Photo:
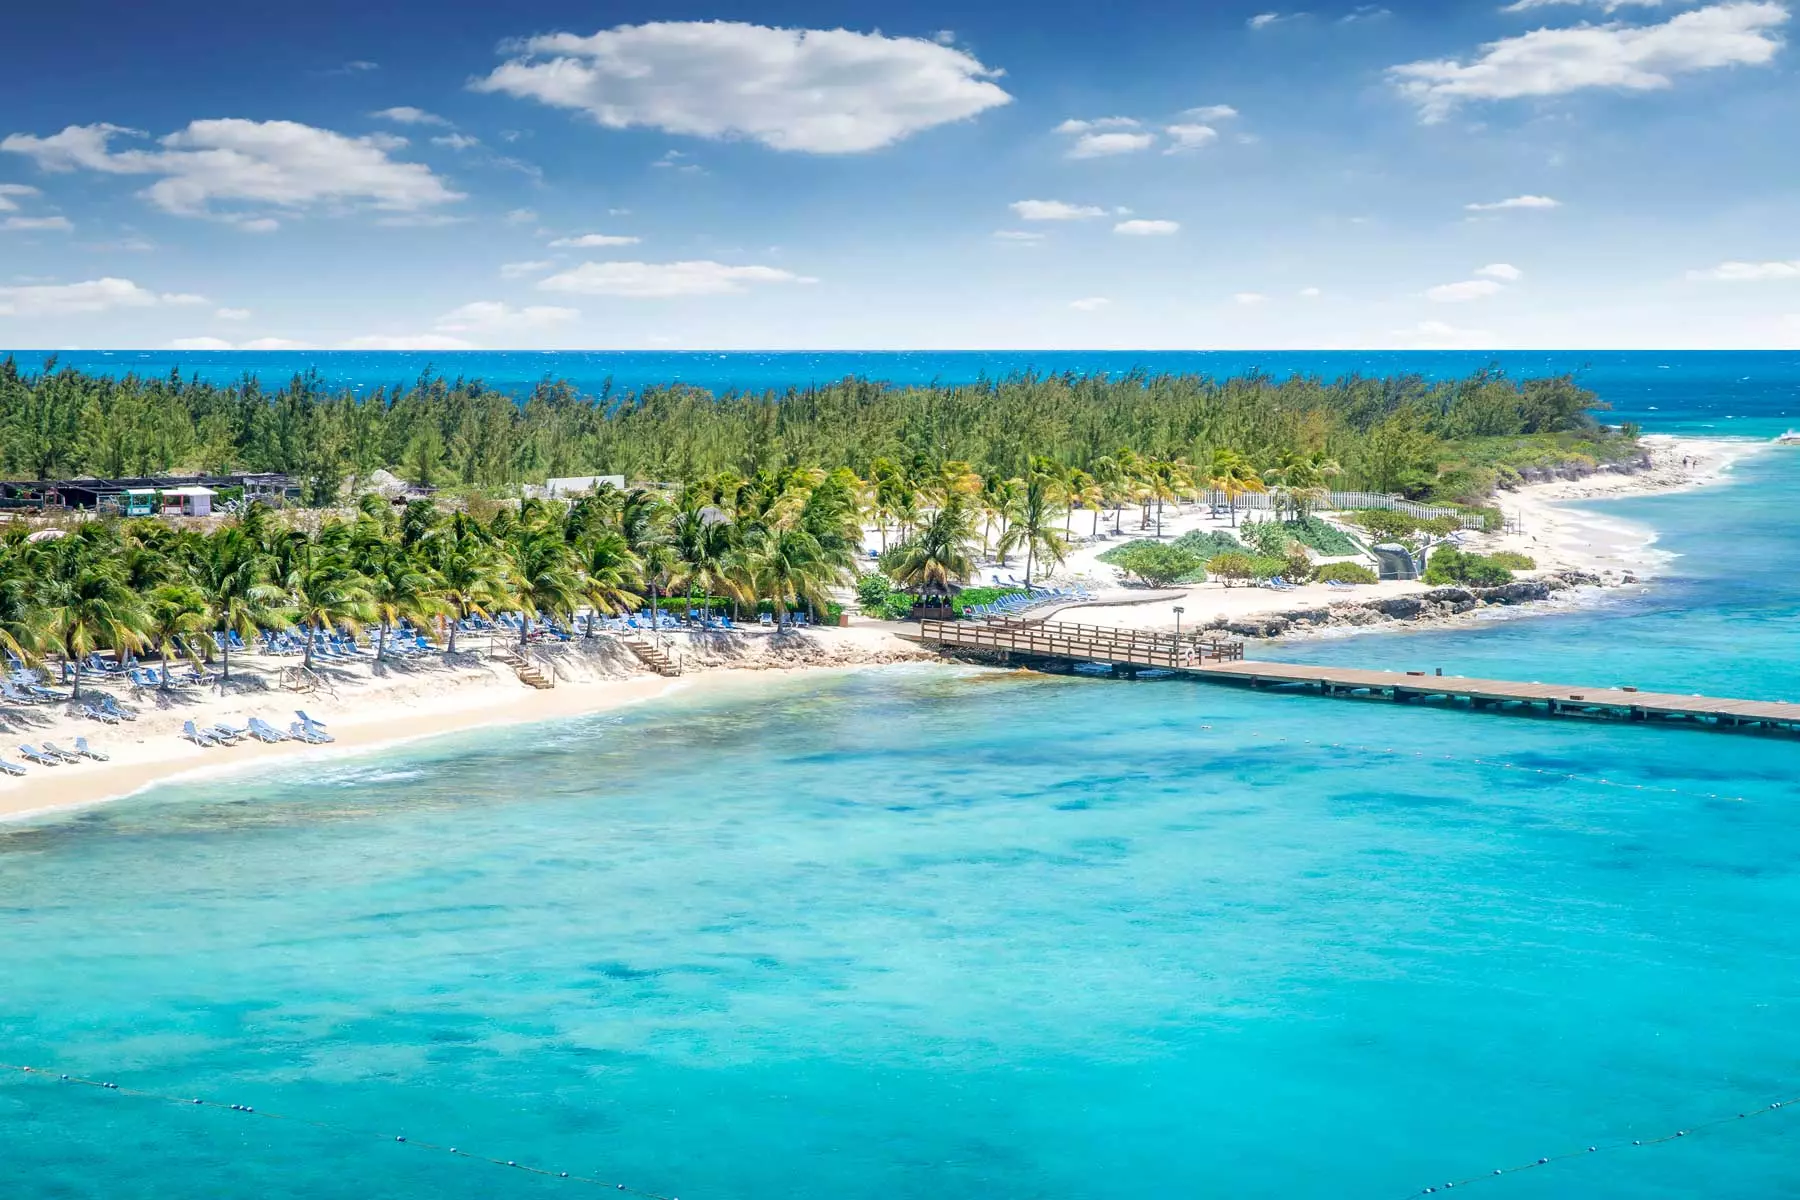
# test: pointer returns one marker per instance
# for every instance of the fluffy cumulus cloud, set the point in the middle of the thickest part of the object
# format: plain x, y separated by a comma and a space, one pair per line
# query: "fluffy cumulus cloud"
588, 241
1267, 19
1749, 272
493, 316
1554, 62
1436, 335
1463, 291
818, 91
661, 280
10, 193
1504, 272
1105, 145
1515, 202
1519, 6
243, 164
406, 114
1090, 303
1143, 228
1054, 210
1190, 137
37, 224
66, 299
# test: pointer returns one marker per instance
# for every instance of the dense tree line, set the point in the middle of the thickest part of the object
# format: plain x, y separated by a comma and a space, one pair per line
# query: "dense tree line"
1403, 433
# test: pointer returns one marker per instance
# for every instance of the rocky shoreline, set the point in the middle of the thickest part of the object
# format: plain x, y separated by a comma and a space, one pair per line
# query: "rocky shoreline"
1418, 608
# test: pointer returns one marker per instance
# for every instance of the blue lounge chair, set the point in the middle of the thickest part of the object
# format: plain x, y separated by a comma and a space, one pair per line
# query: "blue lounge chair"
109, 705
197, 736
312, 735
97, 714
33, 754
12, 768
55, 751
86, 751
265, 732
310, 722
11, 691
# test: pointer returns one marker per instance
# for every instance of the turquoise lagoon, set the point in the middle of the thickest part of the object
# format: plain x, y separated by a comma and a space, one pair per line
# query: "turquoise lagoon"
935, 932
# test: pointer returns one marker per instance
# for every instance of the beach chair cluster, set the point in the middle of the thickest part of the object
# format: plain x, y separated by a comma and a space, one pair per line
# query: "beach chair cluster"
1012, 606
337, 645
1279, 584
306, 729
642, 622
49, 754
151, 678
24, 685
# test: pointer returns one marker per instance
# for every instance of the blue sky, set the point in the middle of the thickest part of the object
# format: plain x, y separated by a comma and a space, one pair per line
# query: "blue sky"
1540, 173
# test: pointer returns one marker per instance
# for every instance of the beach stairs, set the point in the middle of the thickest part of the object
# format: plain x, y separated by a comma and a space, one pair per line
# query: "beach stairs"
654, 658
530, 674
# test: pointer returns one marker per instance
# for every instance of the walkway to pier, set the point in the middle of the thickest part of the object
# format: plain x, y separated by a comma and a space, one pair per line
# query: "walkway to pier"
1223, 661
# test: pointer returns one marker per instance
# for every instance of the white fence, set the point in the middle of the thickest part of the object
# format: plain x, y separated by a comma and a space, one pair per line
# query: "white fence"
1342, 501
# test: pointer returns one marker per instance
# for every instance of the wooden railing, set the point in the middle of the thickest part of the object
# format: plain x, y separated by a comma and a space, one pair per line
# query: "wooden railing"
1086, 643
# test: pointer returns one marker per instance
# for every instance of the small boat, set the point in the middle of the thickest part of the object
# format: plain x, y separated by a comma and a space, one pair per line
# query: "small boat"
1790, 438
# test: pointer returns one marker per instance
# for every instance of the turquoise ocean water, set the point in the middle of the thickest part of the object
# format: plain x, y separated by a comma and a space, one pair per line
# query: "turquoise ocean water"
931, 932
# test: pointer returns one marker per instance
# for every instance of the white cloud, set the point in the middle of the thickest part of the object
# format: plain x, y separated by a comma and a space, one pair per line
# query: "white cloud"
1019, 235
1211, 112
1249, 299
1105, 145
1142, 228
1073, 126
521, 216
456, 141
1505, 272
279, 163
274, 343
1054, 210
183, 299
63, 299
1436, 335
233, 314
820, 91
1463, 292
655, 280
517, 270
1610, 6
589, 240
1554, 62
1264, 20
1190, 137
416, 341
200, 343
493, 316
1090, 303
1364, 12
1512, 202
406, 114
1749, 272
9, 190
1310, 293
36, 224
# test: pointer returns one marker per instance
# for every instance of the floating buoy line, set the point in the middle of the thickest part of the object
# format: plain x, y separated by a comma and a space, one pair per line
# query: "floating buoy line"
39, 1073
1605, 1147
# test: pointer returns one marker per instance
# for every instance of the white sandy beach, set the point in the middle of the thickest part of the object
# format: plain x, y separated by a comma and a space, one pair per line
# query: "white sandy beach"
425, 697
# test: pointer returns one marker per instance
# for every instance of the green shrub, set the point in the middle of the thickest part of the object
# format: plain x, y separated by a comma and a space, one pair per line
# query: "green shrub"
1321, 535
1345, 572
1512, 560
981, 595
1448, 565
1233, 567
881, 599
1204, 543
1270, 539
1386, 524
1159, 565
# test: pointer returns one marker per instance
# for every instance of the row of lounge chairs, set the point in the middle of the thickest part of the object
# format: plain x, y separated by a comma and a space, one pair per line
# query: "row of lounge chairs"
52, 755
306, 729
1008, 606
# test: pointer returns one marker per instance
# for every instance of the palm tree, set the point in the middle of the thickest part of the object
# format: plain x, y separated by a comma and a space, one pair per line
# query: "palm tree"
400, 591
1231, 473
327, 593
230, 572
787, 567
939, 556
705, 538
86, 607
609, 575
1038, 510
174, 612
543, 578
471, 581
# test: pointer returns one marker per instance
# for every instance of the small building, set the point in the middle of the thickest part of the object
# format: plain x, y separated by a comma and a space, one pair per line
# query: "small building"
189, 501
570, 486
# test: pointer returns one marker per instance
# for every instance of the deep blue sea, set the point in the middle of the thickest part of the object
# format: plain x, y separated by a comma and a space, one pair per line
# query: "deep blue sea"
1672, 390
937, 932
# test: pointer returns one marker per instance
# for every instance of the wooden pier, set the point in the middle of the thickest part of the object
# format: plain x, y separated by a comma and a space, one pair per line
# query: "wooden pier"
1127, 651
